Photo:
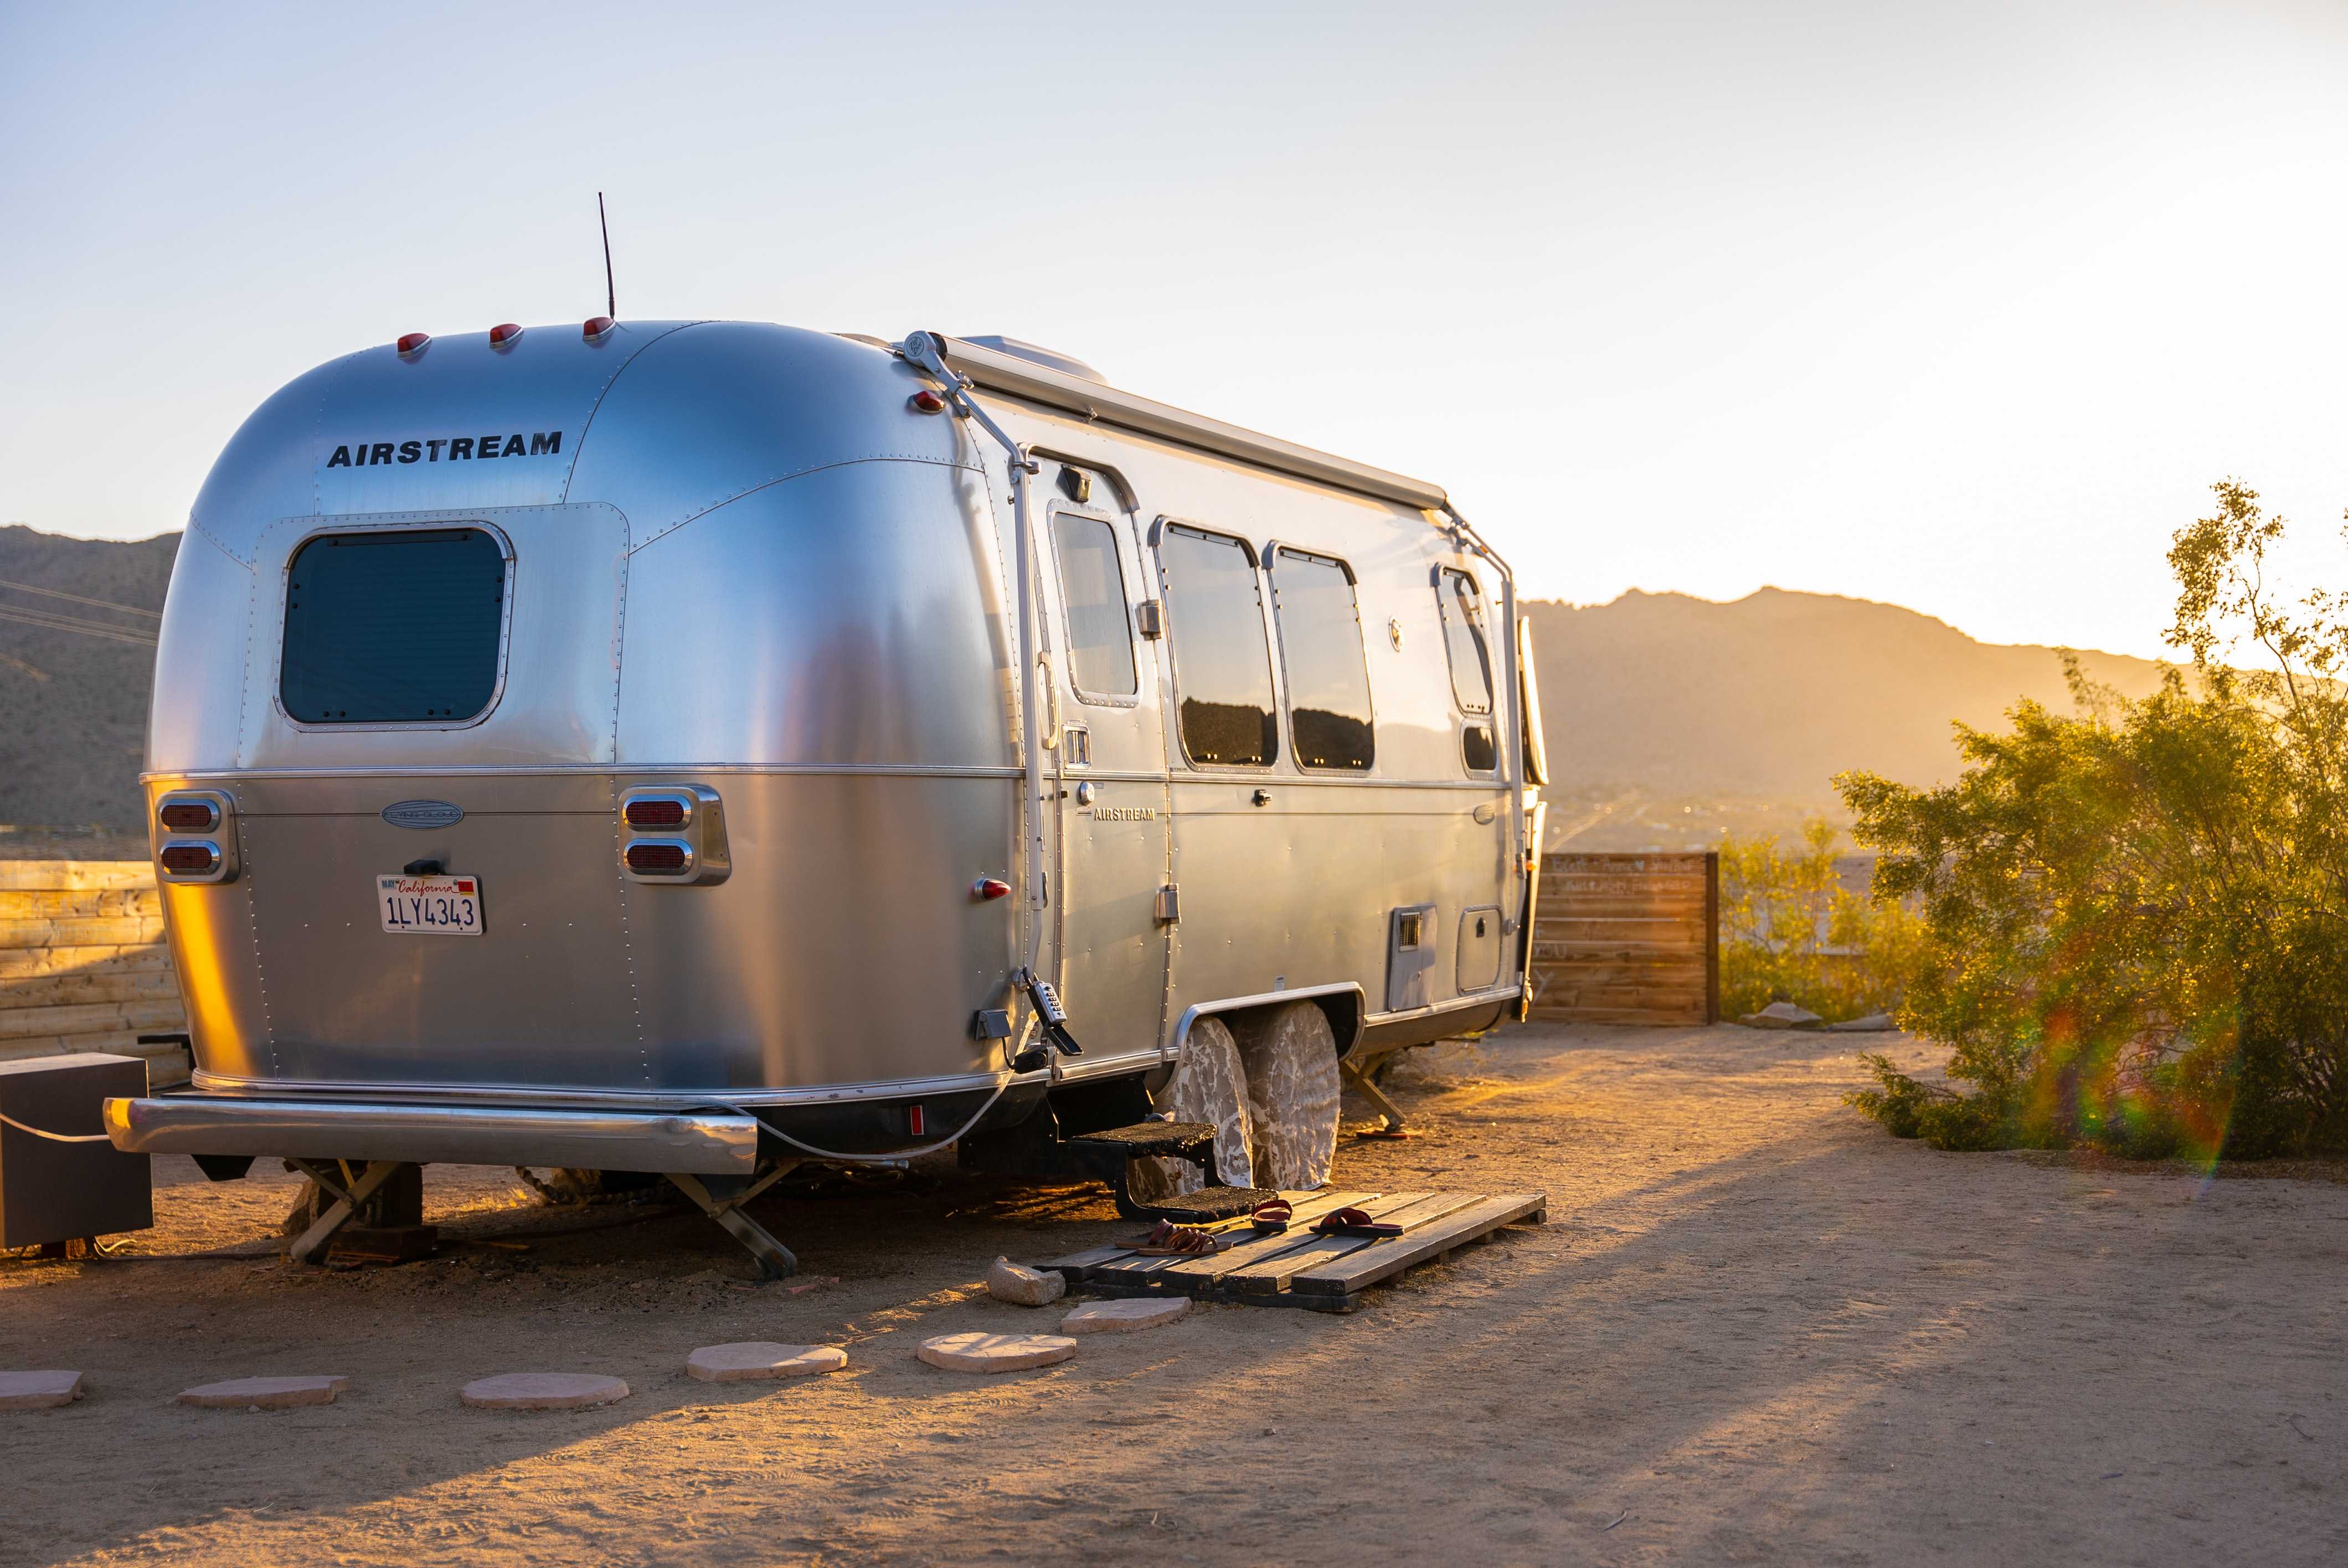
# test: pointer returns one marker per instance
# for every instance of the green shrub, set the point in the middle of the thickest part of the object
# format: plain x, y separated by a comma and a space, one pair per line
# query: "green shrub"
1790, 932
2134, 926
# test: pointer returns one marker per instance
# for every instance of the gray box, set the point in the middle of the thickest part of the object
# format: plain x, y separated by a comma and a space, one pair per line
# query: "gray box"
57, 1191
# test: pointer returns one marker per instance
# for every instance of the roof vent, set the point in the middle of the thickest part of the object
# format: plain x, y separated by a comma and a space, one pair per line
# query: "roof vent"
1051, 358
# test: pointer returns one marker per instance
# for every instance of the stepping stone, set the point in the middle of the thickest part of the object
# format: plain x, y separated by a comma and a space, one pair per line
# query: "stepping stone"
1024, 1286
978, 1352
266, 1393
1128, 1317
763, 1359
542, 1391
38, 1391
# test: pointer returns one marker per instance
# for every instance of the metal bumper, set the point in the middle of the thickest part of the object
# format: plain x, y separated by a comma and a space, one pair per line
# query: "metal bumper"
436, 1134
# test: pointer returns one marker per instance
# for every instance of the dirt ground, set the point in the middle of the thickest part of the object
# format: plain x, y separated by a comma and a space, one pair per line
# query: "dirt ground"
1755, 1329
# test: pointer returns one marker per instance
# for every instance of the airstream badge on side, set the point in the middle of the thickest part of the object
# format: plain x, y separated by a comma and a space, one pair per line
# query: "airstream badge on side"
836, 768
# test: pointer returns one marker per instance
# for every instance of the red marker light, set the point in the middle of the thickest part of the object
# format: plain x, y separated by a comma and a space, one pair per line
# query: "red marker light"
504, 335
926, 402
189, 859
656, 858
914, 1122
595, 327
412, 343
988, 888
655, 812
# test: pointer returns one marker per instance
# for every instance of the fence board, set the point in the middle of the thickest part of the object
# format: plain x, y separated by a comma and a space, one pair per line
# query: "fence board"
1627, 939
75, 875
83, 967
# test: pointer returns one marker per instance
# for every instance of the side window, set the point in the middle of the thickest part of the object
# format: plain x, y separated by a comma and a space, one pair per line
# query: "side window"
1320, 651
1471, 666
1101, 638
1222, 669
394, 626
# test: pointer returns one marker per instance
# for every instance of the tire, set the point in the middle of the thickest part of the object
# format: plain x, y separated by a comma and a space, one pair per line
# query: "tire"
1209, 1085
1290, 1056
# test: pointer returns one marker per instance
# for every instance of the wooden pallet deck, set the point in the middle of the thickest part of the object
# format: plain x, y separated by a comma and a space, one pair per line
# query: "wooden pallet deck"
1298, 1268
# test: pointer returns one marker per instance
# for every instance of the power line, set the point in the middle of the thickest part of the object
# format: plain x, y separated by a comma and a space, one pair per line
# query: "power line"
87, 627
79, 598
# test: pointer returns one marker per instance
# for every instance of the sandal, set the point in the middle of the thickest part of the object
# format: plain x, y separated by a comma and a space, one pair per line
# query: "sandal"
1272, 1217
1171, 1240
1353, 1222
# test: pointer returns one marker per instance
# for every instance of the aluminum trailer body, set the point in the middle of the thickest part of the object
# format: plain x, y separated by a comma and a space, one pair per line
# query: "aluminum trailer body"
637, 725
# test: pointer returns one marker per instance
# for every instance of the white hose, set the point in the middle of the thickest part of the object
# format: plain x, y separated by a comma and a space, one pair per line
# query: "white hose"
58, 1137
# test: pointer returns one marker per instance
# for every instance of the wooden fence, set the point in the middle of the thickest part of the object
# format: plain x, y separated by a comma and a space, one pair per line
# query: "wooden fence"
1628, 939
83, 966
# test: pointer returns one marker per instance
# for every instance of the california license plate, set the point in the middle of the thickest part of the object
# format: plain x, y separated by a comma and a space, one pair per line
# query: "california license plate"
429, 906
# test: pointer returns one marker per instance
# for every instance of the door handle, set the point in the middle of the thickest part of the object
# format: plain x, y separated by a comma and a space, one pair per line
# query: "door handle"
1261, 797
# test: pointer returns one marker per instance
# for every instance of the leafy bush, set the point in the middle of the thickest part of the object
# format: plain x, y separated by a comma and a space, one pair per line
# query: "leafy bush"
1790, 931
2136, 917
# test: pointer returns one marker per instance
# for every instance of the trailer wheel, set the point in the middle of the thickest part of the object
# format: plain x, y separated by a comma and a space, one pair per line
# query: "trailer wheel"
1290, 1055
1209, 1085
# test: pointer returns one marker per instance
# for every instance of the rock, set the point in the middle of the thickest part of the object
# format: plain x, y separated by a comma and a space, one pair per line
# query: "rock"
266, 1393
1873, 1023
762, 1359
38, 1391
1123, 1316
978, 1352
542, 1391
1783, 1015
1024, 1286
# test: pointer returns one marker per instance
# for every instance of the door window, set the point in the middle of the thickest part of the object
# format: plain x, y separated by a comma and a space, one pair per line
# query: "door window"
1222, 666
1463, 635
1092, 591
1321, 653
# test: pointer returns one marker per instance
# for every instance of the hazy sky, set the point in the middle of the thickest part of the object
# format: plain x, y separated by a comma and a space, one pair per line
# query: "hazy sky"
1960, 306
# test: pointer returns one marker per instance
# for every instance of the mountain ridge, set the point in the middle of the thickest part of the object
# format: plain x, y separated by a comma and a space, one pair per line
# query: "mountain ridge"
1736, 712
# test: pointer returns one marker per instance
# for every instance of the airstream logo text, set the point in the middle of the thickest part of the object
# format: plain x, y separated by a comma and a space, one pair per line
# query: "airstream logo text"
1123, 813
423, 814
457, 449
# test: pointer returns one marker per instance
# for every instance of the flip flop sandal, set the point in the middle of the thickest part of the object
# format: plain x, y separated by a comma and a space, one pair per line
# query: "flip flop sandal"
1180, 1241
1353, 1222
1271, 1218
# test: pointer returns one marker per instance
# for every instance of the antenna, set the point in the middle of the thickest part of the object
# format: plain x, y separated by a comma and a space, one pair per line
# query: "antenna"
611, 295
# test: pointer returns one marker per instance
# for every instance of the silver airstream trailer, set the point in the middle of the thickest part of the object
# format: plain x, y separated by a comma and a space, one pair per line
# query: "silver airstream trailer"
630, 748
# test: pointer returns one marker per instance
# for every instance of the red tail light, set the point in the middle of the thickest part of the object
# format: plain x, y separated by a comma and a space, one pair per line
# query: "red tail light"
656, 858
189, 859
655, 812
990, 887
189, 816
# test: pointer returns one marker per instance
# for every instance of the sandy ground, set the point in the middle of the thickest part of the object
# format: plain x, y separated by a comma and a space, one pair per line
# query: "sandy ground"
1756, 1329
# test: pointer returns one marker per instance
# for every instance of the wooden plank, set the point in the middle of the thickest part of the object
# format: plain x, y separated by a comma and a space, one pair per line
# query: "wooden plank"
1186, 1273
1268, 1276
1383, 1260
1078, 1264
20, 963
1649, 1018
1635, 863
118, 931
98, 1018
155, 983
1136, 1272
78, 904
75, 875
125, 1043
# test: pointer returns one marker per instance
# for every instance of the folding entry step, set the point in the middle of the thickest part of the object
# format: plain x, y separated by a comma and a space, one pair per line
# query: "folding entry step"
1105, 1156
